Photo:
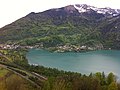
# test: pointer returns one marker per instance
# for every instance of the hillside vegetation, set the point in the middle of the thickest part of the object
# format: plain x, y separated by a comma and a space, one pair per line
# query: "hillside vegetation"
11, 81
57, 27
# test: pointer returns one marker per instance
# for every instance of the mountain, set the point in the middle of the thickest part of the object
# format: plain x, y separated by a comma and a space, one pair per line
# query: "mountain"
106, 11
72, 25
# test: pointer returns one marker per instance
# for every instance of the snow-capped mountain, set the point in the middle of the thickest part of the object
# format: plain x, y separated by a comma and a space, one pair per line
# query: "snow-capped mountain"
72, 24
86, 8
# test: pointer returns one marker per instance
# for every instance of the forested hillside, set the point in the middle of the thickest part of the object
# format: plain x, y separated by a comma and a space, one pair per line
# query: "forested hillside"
66, 25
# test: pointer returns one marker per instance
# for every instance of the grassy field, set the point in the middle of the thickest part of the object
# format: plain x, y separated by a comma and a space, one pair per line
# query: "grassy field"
3, 72
11, 81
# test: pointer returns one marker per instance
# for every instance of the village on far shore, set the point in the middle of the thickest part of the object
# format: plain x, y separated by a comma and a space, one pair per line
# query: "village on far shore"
59, 48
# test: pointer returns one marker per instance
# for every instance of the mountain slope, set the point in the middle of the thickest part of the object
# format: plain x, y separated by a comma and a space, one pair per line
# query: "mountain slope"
73, 24
110, 32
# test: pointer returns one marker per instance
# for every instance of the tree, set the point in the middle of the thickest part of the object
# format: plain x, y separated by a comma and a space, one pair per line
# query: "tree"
103, 81
110, 78
113, 86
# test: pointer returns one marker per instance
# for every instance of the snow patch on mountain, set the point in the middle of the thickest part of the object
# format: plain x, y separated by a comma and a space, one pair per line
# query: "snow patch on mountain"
85, 8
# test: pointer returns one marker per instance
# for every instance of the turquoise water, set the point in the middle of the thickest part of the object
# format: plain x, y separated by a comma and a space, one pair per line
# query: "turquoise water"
85, 63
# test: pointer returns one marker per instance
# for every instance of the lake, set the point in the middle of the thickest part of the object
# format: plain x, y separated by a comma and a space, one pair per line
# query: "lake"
85, 63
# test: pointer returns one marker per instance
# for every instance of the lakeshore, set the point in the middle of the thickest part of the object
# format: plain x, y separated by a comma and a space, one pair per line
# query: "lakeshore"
85, 63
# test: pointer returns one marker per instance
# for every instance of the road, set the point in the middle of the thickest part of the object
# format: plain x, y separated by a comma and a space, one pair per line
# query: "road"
25, 77
28, 74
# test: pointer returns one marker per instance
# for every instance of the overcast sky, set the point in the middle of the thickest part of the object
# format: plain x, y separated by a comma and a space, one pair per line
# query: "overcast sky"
11, 10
